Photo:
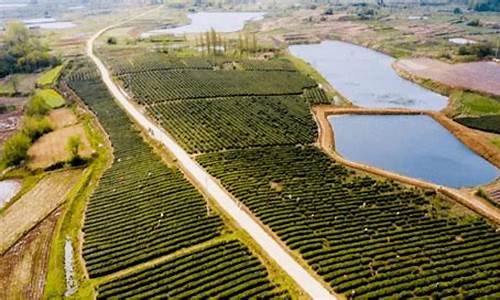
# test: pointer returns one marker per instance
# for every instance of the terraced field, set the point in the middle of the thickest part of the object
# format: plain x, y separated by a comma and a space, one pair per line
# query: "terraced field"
221, 271
151, 87
226, 123
143, 209
367, 238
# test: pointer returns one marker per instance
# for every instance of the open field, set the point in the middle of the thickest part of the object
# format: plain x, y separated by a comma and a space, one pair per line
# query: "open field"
35, 205
51, 97
62, 117
23, 267
52, 148
49, 77
476, 76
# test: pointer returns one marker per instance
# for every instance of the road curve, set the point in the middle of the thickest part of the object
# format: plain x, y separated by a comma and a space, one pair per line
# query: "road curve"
298, 273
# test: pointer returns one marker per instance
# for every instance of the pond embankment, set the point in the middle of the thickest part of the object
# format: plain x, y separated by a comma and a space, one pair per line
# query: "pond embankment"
327, 142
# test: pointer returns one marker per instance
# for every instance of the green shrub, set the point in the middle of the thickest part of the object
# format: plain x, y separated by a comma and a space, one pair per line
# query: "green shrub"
37, 107
34, 127
16, 149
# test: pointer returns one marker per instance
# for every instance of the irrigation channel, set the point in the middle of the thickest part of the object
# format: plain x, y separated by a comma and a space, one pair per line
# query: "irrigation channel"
208, 184
414, 146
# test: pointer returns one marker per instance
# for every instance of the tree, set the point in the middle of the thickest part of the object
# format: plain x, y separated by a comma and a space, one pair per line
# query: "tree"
37, 107
15, 149
111, 40
73, 148
23, 51
34, 128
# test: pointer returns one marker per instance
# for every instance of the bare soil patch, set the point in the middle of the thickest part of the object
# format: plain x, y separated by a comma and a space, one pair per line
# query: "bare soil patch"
62, 117
52, 147
23, 267
479, 76
35, 205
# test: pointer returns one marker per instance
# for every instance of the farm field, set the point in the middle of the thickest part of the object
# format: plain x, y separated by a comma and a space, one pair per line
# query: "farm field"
151, 87
204, 125
49, 77
478, 76
23, 267
367, 238
51, 148
47, 195
152, 213
51, 97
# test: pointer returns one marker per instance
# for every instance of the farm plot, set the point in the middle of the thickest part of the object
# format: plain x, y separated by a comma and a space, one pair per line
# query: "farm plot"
221, 271
35, 205
236, 122
143, 210
161, 86
367, 238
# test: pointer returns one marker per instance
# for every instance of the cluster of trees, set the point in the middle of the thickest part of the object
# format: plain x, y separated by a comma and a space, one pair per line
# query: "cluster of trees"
34, 125
479, 50
485, 5
213, 43
22, 51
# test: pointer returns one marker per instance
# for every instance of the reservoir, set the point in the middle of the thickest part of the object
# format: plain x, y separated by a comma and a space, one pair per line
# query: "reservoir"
205, 21
366, 77
411, 145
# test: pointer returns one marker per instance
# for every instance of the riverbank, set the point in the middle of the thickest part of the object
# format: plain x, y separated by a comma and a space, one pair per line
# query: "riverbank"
326, 141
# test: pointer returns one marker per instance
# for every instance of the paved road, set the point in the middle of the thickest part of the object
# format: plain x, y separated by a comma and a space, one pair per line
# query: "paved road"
301, 276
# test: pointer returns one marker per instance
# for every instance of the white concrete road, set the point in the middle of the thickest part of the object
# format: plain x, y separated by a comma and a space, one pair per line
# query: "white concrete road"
274, 250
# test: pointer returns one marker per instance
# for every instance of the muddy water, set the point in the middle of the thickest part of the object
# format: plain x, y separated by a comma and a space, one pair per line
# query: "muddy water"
8, 189
68, 268
366, 77
205, 21
412, 145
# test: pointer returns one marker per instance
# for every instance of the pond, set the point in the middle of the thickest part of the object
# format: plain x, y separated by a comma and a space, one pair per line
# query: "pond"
205, 21
48, 23
366, 77
412, 145
8, 189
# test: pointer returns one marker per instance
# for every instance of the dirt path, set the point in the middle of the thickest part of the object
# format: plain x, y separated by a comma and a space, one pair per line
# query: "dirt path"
35, 205
326, 141
210, 186
23, 267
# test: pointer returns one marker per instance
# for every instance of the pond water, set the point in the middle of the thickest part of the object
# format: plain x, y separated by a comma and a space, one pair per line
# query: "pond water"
366, 77
8, 189
205, 21
461, 41
411, 145
48, 23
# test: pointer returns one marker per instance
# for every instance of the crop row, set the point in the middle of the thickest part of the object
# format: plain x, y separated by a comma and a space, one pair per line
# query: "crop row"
221, 271
367, 238
161, 86
236, 122
141, 209
316, 95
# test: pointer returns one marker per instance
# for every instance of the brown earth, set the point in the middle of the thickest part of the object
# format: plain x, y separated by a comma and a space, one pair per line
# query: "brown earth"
52, 147
327, 142
62, 117
35, 205
479, 76
23, 267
